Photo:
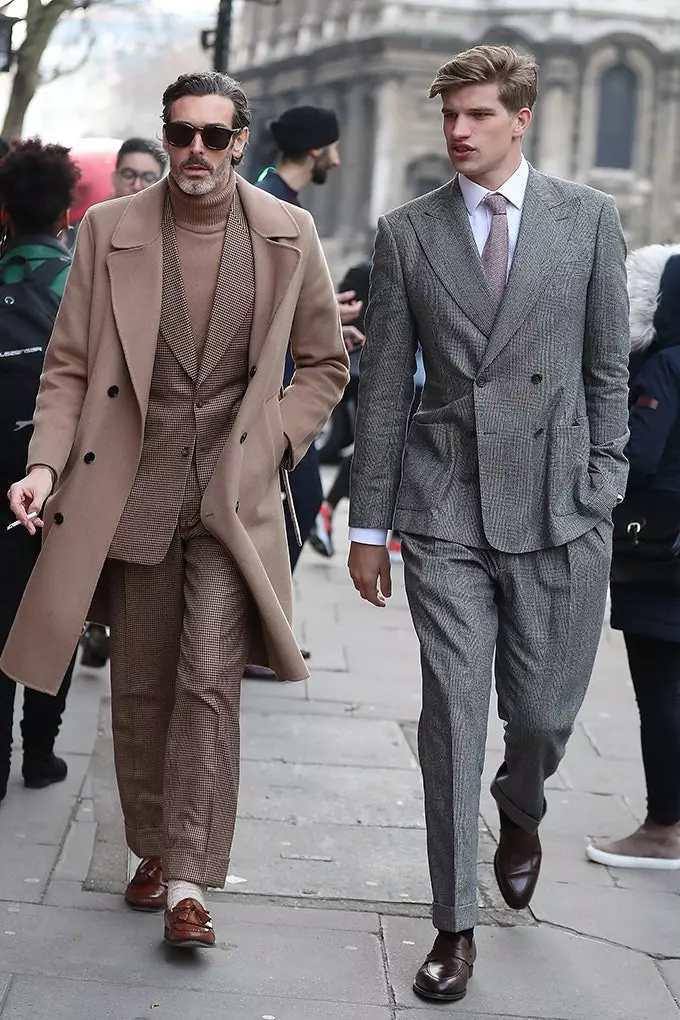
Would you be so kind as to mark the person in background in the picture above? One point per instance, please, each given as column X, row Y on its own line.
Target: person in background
column 141, row 162
column 356, row 282
column 37, row 185
column 308, row 140
column 649, row 614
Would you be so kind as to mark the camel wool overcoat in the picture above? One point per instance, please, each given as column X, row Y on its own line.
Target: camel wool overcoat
column 90, row 415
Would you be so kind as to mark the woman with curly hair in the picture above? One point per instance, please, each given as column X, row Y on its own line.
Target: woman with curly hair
column 37, row 187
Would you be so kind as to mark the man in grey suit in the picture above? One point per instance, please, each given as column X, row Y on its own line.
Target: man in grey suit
column 514, row 284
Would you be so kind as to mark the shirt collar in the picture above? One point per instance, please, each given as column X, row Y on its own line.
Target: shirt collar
column 513, row 190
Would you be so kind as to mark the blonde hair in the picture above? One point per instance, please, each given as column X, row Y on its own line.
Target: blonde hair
column 515, row 74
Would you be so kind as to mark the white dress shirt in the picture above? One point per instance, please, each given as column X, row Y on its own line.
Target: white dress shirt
column 480, row 217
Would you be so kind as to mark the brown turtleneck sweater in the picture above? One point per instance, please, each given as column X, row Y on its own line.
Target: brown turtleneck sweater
column 200, row 222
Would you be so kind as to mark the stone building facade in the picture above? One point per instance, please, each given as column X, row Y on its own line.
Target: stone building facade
column 608, row 114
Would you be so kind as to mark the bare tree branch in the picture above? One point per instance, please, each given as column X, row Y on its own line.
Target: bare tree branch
column 60, row 71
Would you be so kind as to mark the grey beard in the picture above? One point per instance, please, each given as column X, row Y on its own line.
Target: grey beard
column 191, row 186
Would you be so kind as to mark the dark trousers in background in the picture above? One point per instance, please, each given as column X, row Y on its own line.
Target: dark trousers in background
column 42, row 712
column 655, row 671
column 305, row 484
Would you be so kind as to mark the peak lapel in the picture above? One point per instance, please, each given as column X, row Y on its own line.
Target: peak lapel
column 233, row 300
column 136, row 280
column 443, row 229
column 546, row 224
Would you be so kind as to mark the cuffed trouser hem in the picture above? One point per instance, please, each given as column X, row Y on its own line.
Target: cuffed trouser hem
column 183, row 867
column 145, row 842
column 515, row 814
column 455, row 918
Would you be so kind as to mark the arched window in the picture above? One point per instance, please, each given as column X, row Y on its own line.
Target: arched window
column 617, row 118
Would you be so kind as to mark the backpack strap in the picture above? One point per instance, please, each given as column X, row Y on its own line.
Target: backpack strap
column 47, row 273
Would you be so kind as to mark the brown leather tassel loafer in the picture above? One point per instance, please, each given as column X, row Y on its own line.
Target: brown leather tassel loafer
column 445, row 974
column 189, row 926
column 147, row 890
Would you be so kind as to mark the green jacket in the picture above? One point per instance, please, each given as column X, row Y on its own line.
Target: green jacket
column 36, row 249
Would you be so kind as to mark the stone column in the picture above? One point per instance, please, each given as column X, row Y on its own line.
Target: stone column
column 661, row 224
column 388, row 165
column 354, row 139
column 556, row 141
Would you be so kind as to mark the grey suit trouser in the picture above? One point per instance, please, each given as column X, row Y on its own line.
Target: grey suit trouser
column 541, row 614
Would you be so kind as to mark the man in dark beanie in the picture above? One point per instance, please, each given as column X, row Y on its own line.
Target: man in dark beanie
column 307, row 138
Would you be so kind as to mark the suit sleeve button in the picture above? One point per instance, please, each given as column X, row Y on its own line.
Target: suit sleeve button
column 88, row 458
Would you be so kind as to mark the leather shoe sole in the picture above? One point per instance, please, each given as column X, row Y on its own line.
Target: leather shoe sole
column 439, row 996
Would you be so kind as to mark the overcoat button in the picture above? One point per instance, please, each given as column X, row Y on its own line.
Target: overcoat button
column 253, row 371
column 88, row 458
column 536, row 378
column 113, row 391
column 58, row 518
column 243, row 437
column 236, row 507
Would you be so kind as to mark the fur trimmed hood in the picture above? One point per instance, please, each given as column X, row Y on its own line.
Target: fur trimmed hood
column 645, row 269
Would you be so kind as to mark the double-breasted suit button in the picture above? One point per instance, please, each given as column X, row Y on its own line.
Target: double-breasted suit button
column 536, row 378
column 89, row 457
column 185, row 451
column 253, row 371
column 482, row 381
column 58, row 518
column 538, row 432
column 243, row 438
column 198, row 404
column 113, row 391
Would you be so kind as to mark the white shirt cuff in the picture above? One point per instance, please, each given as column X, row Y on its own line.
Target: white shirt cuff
column 368, row 536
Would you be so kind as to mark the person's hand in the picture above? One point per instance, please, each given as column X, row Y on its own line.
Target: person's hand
column 28, row 496
column 371, row 572
column 353, row 337
column 349, row 307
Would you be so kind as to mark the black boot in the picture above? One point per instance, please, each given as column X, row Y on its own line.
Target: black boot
column 41, row 772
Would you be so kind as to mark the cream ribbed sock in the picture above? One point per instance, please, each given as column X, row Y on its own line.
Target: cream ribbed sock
column 178, row 891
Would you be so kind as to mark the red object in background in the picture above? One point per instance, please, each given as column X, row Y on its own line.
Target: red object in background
column 96, row 158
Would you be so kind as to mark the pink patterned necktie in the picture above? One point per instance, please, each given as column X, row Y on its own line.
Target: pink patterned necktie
column 495, row 254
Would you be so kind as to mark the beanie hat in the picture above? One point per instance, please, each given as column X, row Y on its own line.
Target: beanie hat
column 303, row 128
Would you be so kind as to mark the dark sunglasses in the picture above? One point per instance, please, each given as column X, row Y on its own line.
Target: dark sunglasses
column 214, row 136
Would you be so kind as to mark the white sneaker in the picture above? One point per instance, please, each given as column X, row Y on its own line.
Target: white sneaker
column 653, row 847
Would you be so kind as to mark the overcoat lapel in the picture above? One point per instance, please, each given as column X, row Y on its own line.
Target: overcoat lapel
column 273, row 233
column 443, row 229
column 136, row 278
column 547, row 222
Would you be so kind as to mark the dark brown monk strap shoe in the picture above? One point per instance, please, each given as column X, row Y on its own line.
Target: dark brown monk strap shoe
column 189, row 926
column 445, row 974
column 147, row 890
column 517, row 864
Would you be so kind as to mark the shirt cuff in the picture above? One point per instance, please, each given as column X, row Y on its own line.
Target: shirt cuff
column 368, row 536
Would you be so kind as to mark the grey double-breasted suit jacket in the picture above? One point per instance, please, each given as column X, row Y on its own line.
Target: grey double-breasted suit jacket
column 519, row 439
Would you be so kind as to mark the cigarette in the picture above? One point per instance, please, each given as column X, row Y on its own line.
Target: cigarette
column 17, row 523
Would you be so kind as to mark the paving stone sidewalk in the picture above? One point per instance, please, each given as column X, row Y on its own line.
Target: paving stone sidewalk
column 325, row 913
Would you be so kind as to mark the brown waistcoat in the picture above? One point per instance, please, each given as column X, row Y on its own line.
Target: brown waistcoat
column 192, row 406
